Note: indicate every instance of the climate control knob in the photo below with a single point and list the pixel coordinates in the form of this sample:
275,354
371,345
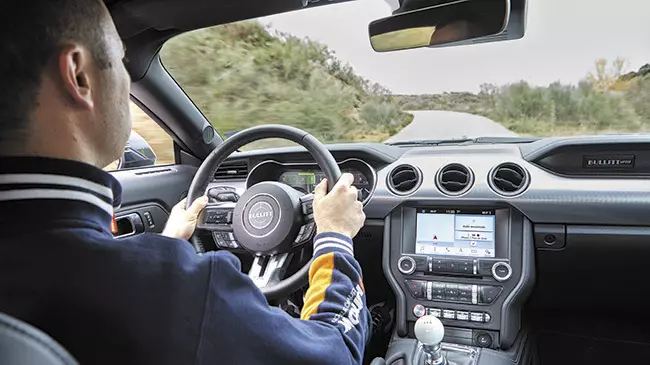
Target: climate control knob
501,271
406,265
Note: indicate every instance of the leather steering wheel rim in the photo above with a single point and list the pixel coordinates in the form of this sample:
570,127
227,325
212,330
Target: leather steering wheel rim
206,171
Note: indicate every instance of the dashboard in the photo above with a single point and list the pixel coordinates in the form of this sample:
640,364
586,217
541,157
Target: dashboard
472,233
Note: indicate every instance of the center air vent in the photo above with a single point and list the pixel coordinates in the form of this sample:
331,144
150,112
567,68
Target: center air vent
454,179
509,179
232,170
404,179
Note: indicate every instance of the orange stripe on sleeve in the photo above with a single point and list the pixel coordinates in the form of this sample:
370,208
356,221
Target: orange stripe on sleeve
320,278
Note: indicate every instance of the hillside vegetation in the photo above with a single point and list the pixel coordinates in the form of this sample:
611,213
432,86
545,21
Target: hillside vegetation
241,75
605,101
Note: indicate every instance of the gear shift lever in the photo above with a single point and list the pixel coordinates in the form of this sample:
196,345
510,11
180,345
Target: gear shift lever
430,331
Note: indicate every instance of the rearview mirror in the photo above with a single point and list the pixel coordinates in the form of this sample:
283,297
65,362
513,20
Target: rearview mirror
436,25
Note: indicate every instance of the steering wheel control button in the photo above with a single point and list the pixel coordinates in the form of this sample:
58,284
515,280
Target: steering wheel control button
227,197
501,271
310,228
462,315
220,239
305,233
483,339
406,265
419,310
308,207
488,294
218,216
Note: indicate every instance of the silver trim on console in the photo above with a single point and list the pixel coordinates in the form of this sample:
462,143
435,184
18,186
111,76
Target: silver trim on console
273,272
494,272
391,188
470,183
474,294
399,265
504,194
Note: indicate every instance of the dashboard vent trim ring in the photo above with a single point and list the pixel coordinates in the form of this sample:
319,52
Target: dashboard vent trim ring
454,179
411,180
509,179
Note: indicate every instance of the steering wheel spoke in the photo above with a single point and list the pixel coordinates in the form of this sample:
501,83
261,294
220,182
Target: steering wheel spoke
307,206
217,219
267,270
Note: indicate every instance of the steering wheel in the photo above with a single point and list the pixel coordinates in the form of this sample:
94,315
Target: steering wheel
270,220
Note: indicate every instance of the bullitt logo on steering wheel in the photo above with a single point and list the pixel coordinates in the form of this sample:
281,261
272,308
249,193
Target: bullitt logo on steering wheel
260,215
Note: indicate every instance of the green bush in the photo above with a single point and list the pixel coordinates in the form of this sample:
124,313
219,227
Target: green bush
556,109
242,75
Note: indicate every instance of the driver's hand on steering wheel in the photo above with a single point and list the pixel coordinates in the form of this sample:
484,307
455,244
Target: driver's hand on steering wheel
339,210
182,222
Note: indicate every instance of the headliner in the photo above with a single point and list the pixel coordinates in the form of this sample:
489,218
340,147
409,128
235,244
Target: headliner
136,16
145,25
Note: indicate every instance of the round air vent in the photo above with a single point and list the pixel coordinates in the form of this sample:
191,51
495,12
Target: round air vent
404,179
509,179
454,179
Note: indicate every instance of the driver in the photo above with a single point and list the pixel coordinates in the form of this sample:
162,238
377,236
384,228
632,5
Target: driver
147,299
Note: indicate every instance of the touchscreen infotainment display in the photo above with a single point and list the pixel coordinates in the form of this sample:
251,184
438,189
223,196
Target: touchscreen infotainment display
457,232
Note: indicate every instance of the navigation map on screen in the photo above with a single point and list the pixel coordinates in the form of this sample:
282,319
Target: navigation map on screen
455,232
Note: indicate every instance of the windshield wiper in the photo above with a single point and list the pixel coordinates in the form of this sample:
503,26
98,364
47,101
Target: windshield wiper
430,142
478,140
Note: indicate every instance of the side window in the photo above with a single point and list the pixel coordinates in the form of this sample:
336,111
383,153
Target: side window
148,144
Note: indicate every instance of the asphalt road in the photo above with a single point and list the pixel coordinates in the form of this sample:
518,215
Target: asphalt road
439,124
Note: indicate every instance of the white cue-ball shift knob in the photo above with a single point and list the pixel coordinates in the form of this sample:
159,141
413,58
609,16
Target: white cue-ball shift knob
429,330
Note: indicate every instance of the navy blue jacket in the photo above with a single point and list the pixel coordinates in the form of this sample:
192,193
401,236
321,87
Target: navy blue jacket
150,299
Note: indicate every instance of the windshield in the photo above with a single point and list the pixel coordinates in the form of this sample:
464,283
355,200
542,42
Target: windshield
583,67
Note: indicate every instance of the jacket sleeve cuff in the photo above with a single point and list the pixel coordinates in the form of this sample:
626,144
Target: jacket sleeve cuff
332,242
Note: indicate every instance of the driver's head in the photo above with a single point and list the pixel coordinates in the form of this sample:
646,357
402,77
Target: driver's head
64,90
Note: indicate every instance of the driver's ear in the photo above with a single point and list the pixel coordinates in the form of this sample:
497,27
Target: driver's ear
74,66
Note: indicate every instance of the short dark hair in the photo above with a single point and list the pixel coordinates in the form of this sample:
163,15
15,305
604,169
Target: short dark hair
31,33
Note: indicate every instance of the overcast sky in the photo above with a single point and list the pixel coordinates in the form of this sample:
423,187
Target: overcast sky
563,39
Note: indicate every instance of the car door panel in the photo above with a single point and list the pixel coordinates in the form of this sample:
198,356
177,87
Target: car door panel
149,194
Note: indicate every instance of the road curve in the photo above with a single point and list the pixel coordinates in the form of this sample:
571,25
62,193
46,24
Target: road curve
442,124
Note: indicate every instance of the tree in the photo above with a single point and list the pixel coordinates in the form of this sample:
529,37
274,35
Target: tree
606,78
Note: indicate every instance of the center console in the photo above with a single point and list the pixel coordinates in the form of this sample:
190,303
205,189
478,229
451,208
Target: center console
472,267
